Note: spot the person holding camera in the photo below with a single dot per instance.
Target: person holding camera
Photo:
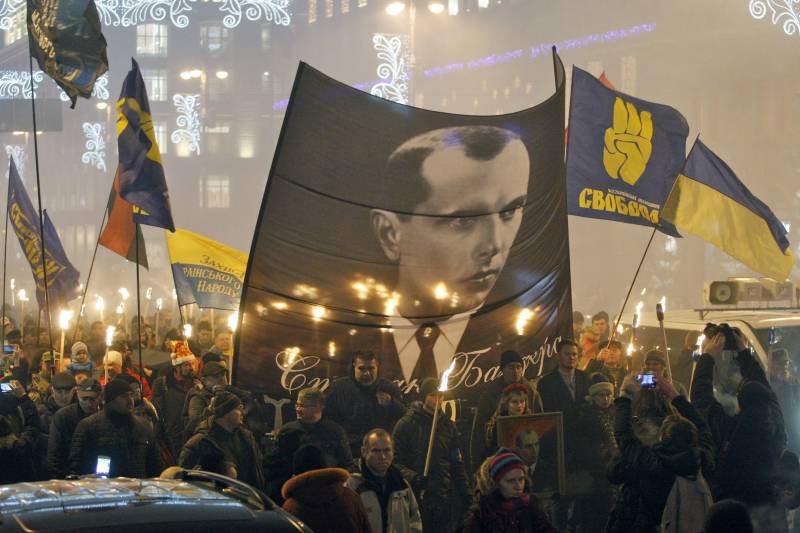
(648, 473)
(749, 442)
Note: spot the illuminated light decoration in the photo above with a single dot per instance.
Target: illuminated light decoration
(100, 90)
(317, 312)
(540, 49)
(8, 9)
(392, 71)
(95, 154)
(436, 7)
(128, 13)
(279, 305)
(332, 349)
(489, 61)
(188, 121)
(782, 12)
(17, 83)
(17, 151)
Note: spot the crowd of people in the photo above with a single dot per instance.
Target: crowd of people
(637, 455)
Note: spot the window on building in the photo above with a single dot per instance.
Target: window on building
(219, 88)
(328, 8)
(312, 11)
(345, 6)
(362, 3)
(160, 131)
(17, 29)
(215, 136)
(214, 37)
(266, 39)
(151, 40)
(215, 192)
(156, 82)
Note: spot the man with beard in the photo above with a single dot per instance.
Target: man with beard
(64, 423)
(115, 433)
(363, 400)
(169, 395)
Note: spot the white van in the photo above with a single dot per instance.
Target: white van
(767, 330)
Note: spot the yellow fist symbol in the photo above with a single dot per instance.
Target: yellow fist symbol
(628, 144)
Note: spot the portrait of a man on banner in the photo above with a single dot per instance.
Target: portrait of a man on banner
(423, 237)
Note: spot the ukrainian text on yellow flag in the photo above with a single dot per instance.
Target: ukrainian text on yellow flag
(206, 272)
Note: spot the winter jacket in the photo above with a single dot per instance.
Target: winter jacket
(194, 409)
(648, 473)
(355, 407)
(216, 446)
(169, 395)
(446, 486)
(394, 510)
(748, 444)
(47, 409)
(320, 499)
(62, 429)
(487, 405)
(18, 450)
(145, 385)
(495, 514)
(123, 437)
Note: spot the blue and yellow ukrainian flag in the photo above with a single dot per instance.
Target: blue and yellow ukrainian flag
(141, 174)
(710, 202)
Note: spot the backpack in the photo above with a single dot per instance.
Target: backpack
(687, 505)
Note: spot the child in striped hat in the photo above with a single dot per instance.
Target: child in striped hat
(503, 502)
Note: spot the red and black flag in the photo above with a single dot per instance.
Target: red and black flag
(119, 235)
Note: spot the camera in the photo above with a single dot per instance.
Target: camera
(103, 465)
(646, 380)
(6, 387)
(712, 330)
(9, 349)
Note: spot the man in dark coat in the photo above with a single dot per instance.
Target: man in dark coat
(563, 389)
(647, 473)
(226, 446)
(513, 371)
(199, 397)
(750, 442)
(169, 395)
(363, 400)
(115, 433)
(309, 428)
(18, 446)
(62, 393)
(444, 493)
(64, 423)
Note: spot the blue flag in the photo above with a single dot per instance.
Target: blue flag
(141, 174)
(623, 154)
(62, 278)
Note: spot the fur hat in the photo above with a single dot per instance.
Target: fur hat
(181, 353)
(113, 357)
(429, 386)
(602, 386)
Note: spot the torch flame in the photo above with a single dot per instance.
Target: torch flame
(446, 376)
(631, 349)
(110, 335)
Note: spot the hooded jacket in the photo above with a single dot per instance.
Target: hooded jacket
(320, 499)
(648, 473)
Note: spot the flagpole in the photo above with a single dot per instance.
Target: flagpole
(5, 249)
(39, 198)
(139, 313)
(630, 289)
(89, 276)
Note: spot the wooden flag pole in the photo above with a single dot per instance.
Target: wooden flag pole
(89, 277)
(139, 314)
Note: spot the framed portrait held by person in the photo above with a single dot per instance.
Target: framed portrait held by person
(538, 439)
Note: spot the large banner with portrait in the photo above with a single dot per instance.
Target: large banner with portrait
(428, 238)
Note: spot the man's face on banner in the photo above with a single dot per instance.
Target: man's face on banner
(452, 262)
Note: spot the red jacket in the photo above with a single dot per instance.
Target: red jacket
(320, 499)
(146, 388)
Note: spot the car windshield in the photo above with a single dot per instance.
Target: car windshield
(778, 338)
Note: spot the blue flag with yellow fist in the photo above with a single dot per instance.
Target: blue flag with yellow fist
(623, 154)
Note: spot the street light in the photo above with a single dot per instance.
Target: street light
(436, 7)
(395, 8)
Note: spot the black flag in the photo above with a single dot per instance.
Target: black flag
(67, 41)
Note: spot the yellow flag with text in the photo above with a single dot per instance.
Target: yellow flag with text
(206, 272)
